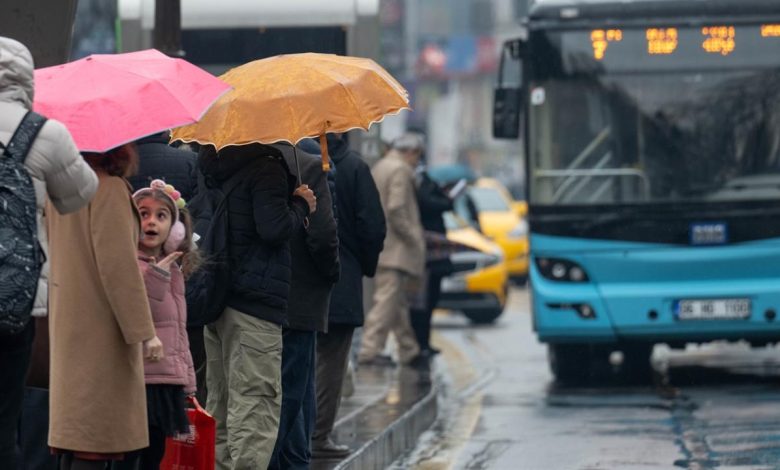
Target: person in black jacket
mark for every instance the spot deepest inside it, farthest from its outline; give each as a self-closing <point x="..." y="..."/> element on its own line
<point x="361" y="231"/>
<point x="158" y="160"/>
<point x="433" y="203"/>
<point x="315" y="269"/>
<point x="244" y="346"/>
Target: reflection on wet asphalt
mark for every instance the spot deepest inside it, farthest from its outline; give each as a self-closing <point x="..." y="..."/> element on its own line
<point x="711" y="406"/>
<point x="382" y="395"/>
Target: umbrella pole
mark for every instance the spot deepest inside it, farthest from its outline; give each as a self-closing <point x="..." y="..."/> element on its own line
<point x="297" y="163"/>
<point x="298" y="169"/>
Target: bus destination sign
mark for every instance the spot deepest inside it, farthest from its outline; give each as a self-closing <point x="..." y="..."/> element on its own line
<point x="714" y="39"/>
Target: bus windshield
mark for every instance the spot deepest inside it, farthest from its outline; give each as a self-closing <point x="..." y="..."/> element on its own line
<point x="653" y="115"/>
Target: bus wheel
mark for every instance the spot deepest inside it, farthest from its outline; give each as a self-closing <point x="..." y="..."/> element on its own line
<point x="636" y="366"/>
<point x="570" y="363"/>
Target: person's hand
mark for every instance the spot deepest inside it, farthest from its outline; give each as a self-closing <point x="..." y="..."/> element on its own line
<point x="166" y="262"/>
<point x="307" y="194"/>
<point x="153" y="349"/>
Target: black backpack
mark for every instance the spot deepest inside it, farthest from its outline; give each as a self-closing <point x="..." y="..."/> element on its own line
<point x="207" y="288"/>
<point x="21" y="257"/>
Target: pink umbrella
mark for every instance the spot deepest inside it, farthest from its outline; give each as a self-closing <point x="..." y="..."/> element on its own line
<point x="109" y="100"/>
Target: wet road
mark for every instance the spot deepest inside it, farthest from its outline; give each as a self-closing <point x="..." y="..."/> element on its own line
<point x="715" y="406"/>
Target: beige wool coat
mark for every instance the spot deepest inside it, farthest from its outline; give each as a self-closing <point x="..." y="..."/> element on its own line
<point x="99" y="316"/>
<point x="404" y="244"/>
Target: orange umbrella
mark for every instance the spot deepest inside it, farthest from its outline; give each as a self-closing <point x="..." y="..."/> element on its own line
<point x="289" y="98"/>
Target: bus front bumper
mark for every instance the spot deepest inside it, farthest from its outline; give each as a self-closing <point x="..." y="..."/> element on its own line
<point x="648" y="312"/>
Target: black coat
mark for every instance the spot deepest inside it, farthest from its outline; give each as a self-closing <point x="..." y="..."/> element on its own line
<point x="159" y="160"/>
<point x="433" y="202"/>
<point x="315" y="251"/>
<point x="263" y="217"/>
<point x="361" y="224"/>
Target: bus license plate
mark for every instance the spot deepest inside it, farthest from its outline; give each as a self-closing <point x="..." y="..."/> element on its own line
<point x="720" y="309"/>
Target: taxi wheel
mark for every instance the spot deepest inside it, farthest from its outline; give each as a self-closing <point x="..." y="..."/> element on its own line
<point x="519" y="281"/>
<point x="483" y="316"/>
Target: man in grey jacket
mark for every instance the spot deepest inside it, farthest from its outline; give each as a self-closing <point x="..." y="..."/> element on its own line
<point x="57" y="171"/>
<point x="403" y="259"/>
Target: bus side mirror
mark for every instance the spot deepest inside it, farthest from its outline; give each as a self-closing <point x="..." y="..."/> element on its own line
<point x="508" y="98"/>
<point x="507" y="108"/>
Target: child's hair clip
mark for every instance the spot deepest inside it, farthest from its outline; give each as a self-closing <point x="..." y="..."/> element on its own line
<point x="170" y="191"/>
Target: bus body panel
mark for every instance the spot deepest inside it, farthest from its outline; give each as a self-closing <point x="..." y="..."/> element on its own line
<point x="634" y="289"/>
<point x="555" y="321"/>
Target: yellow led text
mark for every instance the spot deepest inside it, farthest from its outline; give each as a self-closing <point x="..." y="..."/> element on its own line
<point x="720" y="39"/>
<point x="661" y="41"/>
<point x="600" y="39"/>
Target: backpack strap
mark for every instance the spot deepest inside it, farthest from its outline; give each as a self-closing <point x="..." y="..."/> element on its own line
<point x="24" y="136"/>
<point x="232" y="184"/>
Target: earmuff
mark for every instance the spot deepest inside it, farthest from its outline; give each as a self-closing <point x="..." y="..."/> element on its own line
<point x="175" y="238"/>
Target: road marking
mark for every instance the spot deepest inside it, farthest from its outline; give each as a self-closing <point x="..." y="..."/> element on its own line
<point x="460" y="410"/>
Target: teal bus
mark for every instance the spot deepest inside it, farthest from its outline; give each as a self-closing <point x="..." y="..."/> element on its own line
<point x="651" y="135"/>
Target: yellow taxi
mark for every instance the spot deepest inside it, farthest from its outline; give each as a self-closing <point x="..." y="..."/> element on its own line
<point x="501" y="219"/>
<point x="478" y="285"/>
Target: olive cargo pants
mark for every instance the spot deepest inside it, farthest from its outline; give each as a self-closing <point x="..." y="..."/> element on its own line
<point x="243" y="376"/>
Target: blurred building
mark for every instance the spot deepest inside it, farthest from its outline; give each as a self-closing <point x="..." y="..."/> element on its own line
<point x="95" y="28"/>
<point x="446" y="53"/>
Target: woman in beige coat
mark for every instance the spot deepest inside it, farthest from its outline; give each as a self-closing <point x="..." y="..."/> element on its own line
<point x="59" y="174"/>
<point x="100" y="325"/>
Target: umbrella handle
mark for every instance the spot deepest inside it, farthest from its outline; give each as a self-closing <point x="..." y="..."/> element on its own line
<point x="298" y="168"/>
<point x="324" y="151"/>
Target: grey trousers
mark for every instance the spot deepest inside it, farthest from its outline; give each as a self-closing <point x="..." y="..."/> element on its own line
<point x="390" y="313"/>
<point x="244" y="378"/>
<point x="332" y="359"/>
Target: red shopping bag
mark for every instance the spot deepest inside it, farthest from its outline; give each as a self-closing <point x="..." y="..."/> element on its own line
<point x="196" y="450"/>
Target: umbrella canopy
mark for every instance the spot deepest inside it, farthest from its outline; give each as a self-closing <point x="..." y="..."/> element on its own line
<point x="445" y="174"/>
<point x="288" y="98"/>
<point x="108" y="100"/>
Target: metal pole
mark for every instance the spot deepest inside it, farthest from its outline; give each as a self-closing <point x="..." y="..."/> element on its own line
<point x="167" y="27"/>
<point x="45" y="27"/>
<point x="297" y="163"/>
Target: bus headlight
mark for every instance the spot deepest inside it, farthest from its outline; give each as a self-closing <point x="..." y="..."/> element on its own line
<point x="562" y="270"/>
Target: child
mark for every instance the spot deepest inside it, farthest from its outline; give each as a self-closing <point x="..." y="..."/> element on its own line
<point x="166" y="238"/>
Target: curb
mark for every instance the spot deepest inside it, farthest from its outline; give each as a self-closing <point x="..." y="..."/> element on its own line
<point x="396" y="439"/>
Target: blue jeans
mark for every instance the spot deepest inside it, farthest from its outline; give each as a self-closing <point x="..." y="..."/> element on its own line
<point x="296" y="423"/>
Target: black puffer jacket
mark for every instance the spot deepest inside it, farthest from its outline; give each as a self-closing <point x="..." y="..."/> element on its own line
<point x="159" y="160"/>
<point x="361" y="225"/>
<point x="263" y="216"/>
<point x="315" y="250"/>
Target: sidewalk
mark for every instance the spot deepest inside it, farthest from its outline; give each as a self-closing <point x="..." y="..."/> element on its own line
<point x="390" y="409"/>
